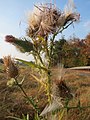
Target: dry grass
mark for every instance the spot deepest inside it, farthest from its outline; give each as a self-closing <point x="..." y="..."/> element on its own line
<point x="13" y="103"/>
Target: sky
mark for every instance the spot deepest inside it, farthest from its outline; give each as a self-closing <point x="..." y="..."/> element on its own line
<point x="13" y="21"/>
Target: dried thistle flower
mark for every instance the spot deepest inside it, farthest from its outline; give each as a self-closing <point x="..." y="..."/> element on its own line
<point x="46" y="19"/>
<point x="61" y="90"/>
<point x="60" y="93"/>
<point x="42" y="20"/>
<point x="10" y="67"/>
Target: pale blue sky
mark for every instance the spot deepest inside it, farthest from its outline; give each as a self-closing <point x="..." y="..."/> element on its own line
<point x="12" y="12"/>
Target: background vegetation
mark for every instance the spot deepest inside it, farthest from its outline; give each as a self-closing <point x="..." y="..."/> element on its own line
<point x="47" y="91"/>
<point x="72" y="52"/>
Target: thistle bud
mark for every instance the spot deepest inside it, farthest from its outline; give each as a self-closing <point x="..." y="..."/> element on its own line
<point x="9" y="38"/>
<point x="11" y="82"/>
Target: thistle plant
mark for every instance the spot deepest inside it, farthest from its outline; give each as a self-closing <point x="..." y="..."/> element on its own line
<point x="45" y="22"/>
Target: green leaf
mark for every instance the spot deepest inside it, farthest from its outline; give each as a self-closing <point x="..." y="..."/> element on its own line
<point x="29" y="63"/>
<point x="23" y="45"/>
<point x="32" y="64"/>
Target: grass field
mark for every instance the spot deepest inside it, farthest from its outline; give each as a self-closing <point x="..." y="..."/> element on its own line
<point x="13" y="103"/>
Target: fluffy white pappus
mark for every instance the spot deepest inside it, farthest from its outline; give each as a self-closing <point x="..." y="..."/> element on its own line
<point x="34" y="18"/>
<point x="46" y="19"/>
<point x="61" y="20"/>
<point x="47" y="28"/>
<point x="52" y="107"/>
<point x="76" y="16"/>
<point x="70" y="12"/>
<point x="69" y="8"/>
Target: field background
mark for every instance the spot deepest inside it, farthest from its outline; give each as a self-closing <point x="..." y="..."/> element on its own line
<point x="13" y="103"/>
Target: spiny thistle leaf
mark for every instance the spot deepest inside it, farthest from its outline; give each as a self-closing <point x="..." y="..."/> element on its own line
<point x="32" y="64"/>
<point x="23" y="45"/>
<point x="29" y="63"/>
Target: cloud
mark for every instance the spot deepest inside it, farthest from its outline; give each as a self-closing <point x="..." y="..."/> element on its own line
<point x="87" y="24"/>
<point x="2" y="35"/>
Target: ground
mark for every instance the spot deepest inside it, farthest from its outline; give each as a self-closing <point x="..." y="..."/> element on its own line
<point x="13" y="102"/>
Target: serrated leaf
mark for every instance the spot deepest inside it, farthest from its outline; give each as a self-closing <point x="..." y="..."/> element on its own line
<point x="23" y="46"/>
<point x="32" y="64"/>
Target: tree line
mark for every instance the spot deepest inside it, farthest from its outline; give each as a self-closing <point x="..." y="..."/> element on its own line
<point x="72" y="52"/>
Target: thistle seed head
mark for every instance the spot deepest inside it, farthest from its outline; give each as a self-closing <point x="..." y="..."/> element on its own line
<point x="10" y="67"/>
<point x="46" y="19"/>
<point x="61" y="91"/>
<point x="9" y="38"/>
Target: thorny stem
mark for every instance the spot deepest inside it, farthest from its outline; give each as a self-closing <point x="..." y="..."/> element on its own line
<point x="51" y="47"/>
<point x="28" y="98"/>
<point x="38" y="55"/>
<point x="49" y="88"/>
<point x="48" y="82"/>
<point x="60" y="31"/>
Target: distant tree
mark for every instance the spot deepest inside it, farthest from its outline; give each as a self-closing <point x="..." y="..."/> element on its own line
<point x="70" y="52"/>
<point x="87" y="40"/>
<point x="74" y="53"/>
<point x="87" y="49"/>
<point x="57" y="51"/>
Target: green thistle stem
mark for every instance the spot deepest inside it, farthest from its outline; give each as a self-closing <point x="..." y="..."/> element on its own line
<point x="28" y="98"/>
<point x="49" y="90"/>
